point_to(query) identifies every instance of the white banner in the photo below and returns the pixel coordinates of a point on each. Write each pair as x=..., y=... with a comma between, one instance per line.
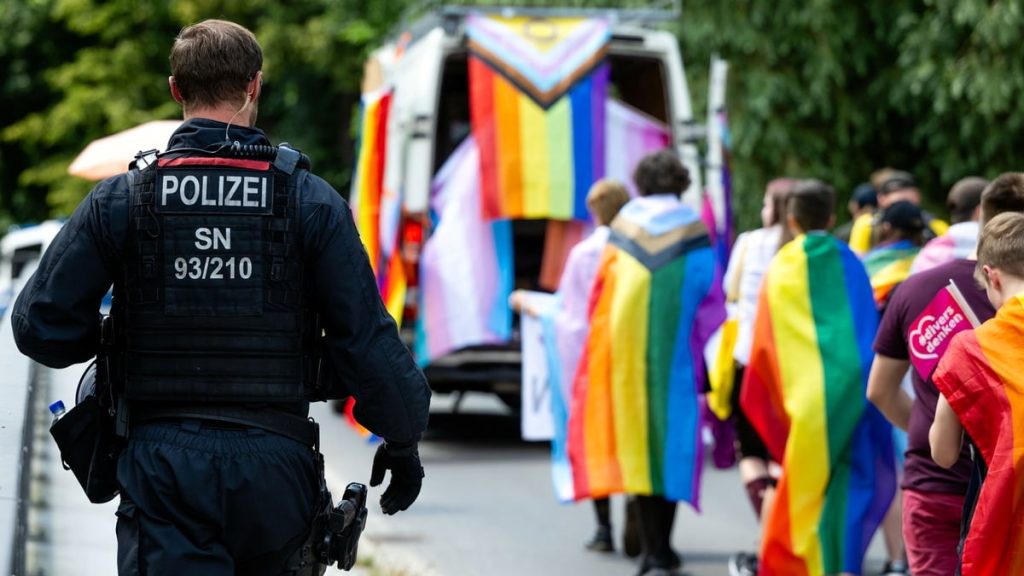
x=537, y=423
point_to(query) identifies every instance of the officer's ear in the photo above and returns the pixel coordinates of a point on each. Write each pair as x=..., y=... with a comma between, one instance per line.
x=255, y=86
x=175, y=92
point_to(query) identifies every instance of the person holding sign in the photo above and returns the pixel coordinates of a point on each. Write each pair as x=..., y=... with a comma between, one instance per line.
x=982, y=388
x=569, y=324
x=933, y=496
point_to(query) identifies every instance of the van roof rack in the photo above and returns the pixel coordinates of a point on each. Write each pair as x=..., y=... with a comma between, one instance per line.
x=427, y=13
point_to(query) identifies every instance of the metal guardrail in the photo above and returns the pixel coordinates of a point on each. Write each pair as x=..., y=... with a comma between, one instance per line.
x=17, y=434
x=19, y=551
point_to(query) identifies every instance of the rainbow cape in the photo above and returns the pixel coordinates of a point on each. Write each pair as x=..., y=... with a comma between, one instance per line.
x=889, y=265
x=537, y=110
x=804, y=392
x=981, y=378
x=635, y=420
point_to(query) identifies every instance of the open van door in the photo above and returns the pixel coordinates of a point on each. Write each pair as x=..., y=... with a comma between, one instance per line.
x=683, y=122
x=417, y=79
x=644, y=90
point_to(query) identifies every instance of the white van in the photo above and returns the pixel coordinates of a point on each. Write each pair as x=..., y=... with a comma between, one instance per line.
x=430, y=115
x=20, y=250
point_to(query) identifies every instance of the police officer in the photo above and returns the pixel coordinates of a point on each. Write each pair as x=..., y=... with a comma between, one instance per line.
x=241, y=293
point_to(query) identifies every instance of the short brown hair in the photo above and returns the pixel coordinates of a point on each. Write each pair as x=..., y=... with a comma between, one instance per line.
x=811, y=203
x=1004, y=194
x=605, y=198
x=661, y=173
x=1001, y=244
x=964, y=197
x=212, y=62
x=777, y=189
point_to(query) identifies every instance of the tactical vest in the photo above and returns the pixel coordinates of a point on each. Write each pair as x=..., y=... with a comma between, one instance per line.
x=213, y=306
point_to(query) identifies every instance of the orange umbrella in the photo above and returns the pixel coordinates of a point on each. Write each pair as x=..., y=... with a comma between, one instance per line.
x=110, y=155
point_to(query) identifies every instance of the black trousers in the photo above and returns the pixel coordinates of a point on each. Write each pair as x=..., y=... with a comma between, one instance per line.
x=212, y=502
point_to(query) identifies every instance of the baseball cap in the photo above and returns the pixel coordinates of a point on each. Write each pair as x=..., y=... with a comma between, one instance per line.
x=864, y=195
x=897, y=180
x=904, y=215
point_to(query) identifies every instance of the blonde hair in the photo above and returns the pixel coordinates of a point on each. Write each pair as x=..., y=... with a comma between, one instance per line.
x=605, y=198
x=1001, y=244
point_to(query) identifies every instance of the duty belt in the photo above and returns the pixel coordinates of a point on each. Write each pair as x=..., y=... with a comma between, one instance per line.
x=295, y=427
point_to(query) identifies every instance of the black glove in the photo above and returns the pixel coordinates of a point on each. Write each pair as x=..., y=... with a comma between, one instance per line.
x=406, y=475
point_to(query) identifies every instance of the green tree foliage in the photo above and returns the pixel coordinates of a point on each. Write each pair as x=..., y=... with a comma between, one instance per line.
x=77, y=70
x=835, y=90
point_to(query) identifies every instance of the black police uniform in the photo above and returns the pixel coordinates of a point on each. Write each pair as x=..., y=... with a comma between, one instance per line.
x=224, y=270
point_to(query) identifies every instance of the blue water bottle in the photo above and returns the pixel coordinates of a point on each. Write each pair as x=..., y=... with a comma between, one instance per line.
x=57, y=409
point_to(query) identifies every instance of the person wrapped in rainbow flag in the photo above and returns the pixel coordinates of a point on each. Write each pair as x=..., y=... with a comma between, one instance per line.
x=804, y=392
x=635, y=420
x=982, y=390
x=900, y=236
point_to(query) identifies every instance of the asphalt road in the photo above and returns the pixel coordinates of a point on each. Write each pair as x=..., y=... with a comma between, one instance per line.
x=487, y=505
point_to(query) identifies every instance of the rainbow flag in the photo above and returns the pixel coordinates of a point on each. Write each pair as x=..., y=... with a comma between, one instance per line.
x=804, y=392
x=635, y=420
x=466, y=272
x=980, y=377
x=537, y=108
x=368, y=182
x=889, y=265
x=542, y=57
x=377, y=210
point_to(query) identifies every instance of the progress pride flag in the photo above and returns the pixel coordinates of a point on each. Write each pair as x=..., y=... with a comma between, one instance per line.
x=930, y=334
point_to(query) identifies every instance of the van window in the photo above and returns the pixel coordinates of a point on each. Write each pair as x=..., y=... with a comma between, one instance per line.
x=23, y=256
x=452, y=108
x=640, y=82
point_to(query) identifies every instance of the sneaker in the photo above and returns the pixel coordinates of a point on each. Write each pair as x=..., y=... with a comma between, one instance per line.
x=602, y=540
x=743, y=564
x=898, y=568
x=675, y=561
x=658, y=566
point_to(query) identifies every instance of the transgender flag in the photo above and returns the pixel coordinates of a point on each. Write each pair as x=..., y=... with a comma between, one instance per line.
x=629, y=136
x=466, y=265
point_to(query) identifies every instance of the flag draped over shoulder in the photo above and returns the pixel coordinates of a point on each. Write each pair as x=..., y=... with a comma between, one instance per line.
x=804, y=392
x=957, y=244
x=635, y=420
x=889, y=265
x=980, y=376
x=537, y=108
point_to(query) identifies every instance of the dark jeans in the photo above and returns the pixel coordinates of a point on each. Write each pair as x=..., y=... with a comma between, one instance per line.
x=212, y=502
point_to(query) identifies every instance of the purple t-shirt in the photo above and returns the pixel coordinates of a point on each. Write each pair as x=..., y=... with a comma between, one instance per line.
x=905, y=305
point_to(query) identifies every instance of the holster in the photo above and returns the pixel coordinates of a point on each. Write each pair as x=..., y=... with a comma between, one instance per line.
x=334, y=535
